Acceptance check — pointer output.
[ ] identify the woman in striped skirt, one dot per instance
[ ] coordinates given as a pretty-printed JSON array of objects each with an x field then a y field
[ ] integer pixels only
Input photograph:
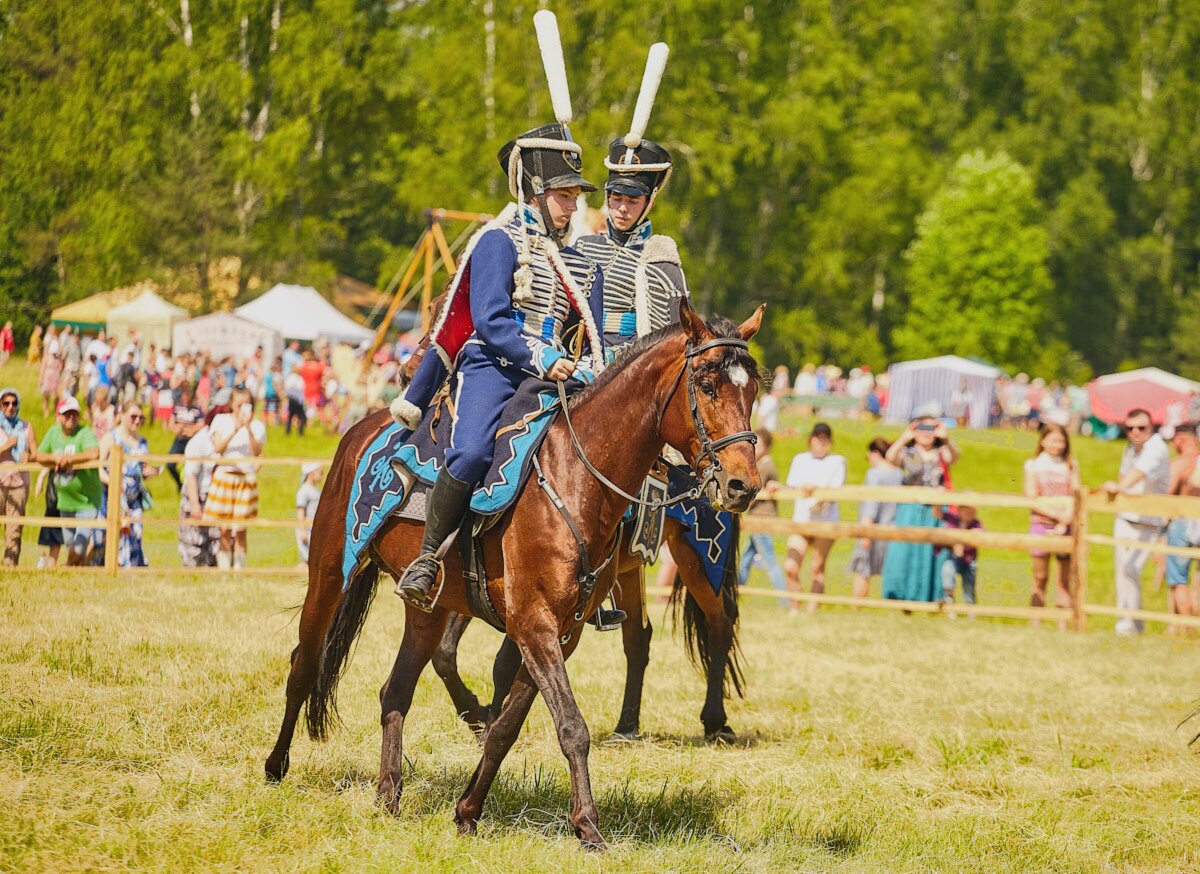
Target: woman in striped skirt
[{"x": 233, "y": 495}]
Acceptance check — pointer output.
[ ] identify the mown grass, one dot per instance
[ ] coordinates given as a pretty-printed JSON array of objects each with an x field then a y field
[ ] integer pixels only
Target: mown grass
[{"x": 136, "y": 713}]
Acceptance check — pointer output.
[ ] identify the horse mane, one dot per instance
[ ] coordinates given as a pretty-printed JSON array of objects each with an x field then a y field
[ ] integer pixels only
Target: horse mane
[{"x": 720, "y": 327}]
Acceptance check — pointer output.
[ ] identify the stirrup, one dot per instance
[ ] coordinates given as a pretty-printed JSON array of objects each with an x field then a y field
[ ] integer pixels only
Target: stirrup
[
  {"x": 609, "y": 620},
  {"x": 426, "y": 603}
]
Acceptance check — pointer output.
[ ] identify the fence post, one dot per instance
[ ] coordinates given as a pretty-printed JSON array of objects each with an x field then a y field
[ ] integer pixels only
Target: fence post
[
  {"x": 112, "y": 530},
  {"x": 1079, "y": 558}
]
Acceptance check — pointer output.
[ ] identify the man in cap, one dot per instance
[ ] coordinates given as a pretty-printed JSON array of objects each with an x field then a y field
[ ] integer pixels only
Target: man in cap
[
  {"x": 516, "y": 290},
  {"x": 67, "y": 444}
]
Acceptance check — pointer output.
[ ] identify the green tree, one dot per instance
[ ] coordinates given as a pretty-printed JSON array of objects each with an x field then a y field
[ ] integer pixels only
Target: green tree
[{"x": 977, "y": 281}]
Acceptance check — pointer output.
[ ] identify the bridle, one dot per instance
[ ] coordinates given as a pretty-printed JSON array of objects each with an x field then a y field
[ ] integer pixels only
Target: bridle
[
  {"x": 708, "y": 450},
  {"x": 708, "y": 447}
]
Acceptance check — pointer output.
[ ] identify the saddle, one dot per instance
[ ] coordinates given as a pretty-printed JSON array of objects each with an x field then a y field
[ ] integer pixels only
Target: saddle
[{"x": 399, "y": 464}]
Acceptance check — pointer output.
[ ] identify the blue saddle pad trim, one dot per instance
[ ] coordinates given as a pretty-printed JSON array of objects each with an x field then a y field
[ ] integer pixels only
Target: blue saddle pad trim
[
  {"x": 378, "y": 492},
  {"x": 708, "y": 531}
]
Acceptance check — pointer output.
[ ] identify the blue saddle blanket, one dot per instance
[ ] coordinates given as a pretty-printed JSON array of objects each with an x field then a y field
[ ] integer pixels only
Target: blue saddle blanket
[
  {"x": 379, "y": 490},
  {"x": 711, "y": 533}
]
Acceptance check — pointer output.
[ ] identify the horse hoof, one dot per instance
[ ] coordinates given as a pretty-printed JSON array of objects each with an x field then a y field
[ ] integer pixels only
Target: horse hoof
[
  {"x": 276, "y": 773},
  {"x": 389, "y": 797},
  {"x": 622, "y": 737},
  {"x": 466, "y": 819},
  {"x": 722, "y": 736}
]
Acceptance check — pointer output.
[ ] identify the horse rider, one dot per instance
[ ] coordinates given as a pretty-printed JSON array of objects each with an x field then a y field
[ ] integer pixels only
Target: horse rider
[
  {"x": 643, "y": 279},
  {"x": 516, "y": 291}
]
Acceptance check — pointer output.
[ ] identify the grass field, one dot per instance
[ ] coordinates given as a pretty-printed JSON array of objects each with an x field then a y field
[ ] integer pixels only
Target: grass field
[{"x": 135, "y": 714}]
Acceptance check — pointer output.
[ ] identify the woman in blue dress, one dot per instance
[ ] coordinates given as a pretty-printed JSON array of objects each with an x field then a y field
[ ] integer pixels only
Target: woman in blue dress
[
  {"x": 134, "y": 496},
  {"x": 924, "y": 453}
]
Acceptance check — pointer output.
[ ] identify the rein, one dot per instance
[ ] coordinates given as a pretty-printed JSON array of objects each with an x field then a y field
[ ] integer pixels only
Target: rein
[{"x": 708, "y": 447}]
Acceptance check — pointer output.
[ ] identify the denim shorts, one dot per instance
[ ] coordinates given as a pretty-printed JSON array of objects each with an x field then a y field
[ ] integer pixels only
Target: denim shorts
[
  {"x": 77, "y": 539},
  {"x": 1179, "y": 569}
]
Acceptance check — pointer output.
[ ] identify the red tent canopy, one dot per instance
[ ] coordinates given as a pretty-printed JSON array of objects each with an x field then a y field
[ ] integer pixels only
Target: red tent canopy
[{"x": 1113, "y": 396}]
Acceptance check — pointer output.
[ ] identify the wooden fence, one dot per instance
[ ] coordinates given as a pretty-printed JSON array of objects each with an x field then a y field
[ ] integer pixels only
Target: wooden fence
[{"x": 1077, "y": 544}]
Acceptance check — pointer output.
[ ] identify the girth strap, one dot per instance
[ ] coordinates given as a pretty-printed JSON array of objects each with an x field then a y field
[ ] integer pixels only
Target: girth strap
[{"x": 587, "y": 575}]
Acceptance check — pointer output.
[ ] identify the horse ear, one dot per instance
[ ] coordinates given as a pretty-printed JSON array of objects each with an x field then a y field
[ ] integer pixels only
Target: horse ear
[
  {"x": 750, "y": 327},
  {"x": 693, "y": 325}
]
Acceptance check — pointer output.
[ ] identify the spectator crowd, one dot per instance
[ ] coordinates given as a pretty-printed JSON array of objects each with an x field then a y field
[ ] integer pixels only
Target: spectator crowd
[
  {"x": 104, "y": 394},
  {"x": 925, "y": 455}
]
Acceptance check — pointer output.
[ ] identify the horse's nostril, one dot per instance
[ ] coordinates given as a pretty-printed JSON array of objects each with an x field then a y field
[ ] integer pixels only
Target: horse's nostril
[{"x": 737, "y": 487}]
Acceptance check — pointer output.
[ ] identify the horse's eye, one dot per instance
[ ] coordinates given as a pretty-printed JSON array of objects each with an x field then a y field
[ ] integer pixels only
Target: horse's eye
[{"x": 709, "y": 387}]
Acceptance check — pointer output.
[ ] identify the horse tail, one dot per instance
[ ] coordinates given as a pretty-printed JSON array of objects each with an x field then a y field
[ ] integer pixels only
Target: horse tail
[
  {"x": 321, "y": 714},
  {"x": 695, "y": 624},
  {"x": 1195, "y": 714}
]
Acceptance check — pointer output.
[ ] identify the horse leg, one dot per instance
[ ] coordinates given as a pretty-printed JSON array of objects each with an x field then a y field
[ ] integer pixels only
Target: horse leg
[
  {"x": 718, "y": 632},
  {"x": 636, "y": 632},
  {"x": 324, "y": 594},
  {"x": 422, "y": 632},
  {"x": 545, "y": 660},
  {"x": 504, "y": 672},
  {"x": 497, "y": 741},
  {"x": 445, "y": 662}
]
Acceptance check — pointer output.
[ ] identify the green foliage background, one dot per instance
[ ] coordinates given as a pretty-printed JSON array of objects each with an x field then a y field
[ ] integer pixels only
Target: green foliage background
[{"x": 816, "y": 145}]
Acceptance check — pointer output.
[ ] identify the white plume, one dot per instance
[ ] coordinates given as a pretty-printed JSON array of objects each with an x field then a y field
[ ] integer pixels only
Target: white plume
[
  {"x": 656, "y": 63},
  {"x": 549, "y": 42}
]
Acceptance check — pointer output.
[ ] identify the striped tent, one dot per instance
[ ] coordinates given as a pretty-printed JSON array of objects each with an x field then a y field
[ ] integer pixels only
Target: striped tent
[{"x": 933, "y": 381}]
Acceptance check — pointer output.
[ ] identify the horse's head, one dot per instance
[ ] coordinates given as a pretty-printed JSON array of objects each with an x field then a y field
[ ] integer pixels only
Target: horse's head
[{"x": 709, "y": 414}]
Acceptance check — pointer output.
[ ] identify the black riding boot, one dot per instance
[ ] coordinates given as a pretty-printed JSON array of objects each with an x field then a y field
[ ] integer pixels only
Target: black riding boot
[
  {"x": 444, "y": 511},
  {"x": 609, "y": 620}
]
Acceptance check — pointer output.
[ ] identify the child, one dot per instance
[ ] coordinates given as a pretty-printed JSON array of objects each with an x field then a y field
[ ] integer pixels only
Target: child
[
  {"x": 960, "y": 559},
  {"x": 307, "y": 497}
]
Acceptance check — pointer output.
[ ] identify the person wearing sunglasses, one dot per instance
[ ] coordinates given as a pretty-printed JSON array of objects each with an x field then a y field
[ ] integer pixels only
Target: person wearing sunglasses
[
  {"x": 1145, "y": 470},
  {"x": 16, "y": 439},
  {"x": 135, "y": 497}
]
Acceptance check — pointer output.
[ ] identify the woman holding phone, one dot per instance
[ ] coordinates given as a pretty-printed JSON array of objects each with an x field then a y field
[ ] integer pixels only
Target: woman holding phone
[
  {"x": 233, "y": 495},
  {"x": 135, "y": 498},
  {"x": 924, "y": 453}
]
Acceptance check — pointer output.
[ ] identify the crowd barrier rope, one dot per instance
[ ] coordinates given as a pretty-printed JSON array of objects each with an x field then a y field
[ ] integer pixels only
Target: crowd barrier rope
[{"x": 1082, "y": 504}]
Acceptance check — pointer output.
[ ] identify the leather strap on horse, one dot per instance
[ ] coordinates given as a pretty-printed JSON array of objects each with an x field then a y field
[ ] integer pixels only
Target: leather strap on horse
[{"x": 587, "y": 575}]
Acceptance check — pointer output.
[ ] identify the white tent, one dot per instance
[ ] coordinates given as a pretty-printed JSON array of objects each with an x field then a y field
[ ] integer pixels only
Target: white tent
[
  {"x": 225, "y": 334},
  {"x": 152, "y": 316},
  {"x": 300, "y": 313},
  {"x": 914, "y": 384}
]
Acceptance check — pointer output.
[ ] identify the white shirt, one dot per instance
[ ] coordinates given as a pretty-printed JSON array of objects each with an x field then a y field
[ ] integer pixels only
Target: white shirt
[
  {"x": 239, "y": 444},
  {"x": 293, "y": 386},
  {"x": 1154, "y": 460},
  {"x": 97, "y": 347},
  {"x": 199, "y": 446},
  {"x": 806, "y": 383},
  {"x": 806, "y": 470},
  {"x": 768, "y": 412}
]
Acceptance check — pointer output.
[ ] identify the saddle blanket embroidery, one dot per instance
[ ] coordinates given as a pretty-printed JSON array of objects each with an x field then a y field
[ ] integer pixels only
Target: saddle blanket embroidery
[
  {"x": 708, "y": 531},
  {"x": 380, "y": 489}
]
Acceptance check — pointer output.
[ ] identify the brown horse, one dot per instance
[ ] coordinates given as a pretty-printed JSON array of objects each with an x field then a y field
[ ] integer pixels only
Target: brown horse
[
  {"x": 710, "y": 635},
  {"x": 691, "y": 386}
]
